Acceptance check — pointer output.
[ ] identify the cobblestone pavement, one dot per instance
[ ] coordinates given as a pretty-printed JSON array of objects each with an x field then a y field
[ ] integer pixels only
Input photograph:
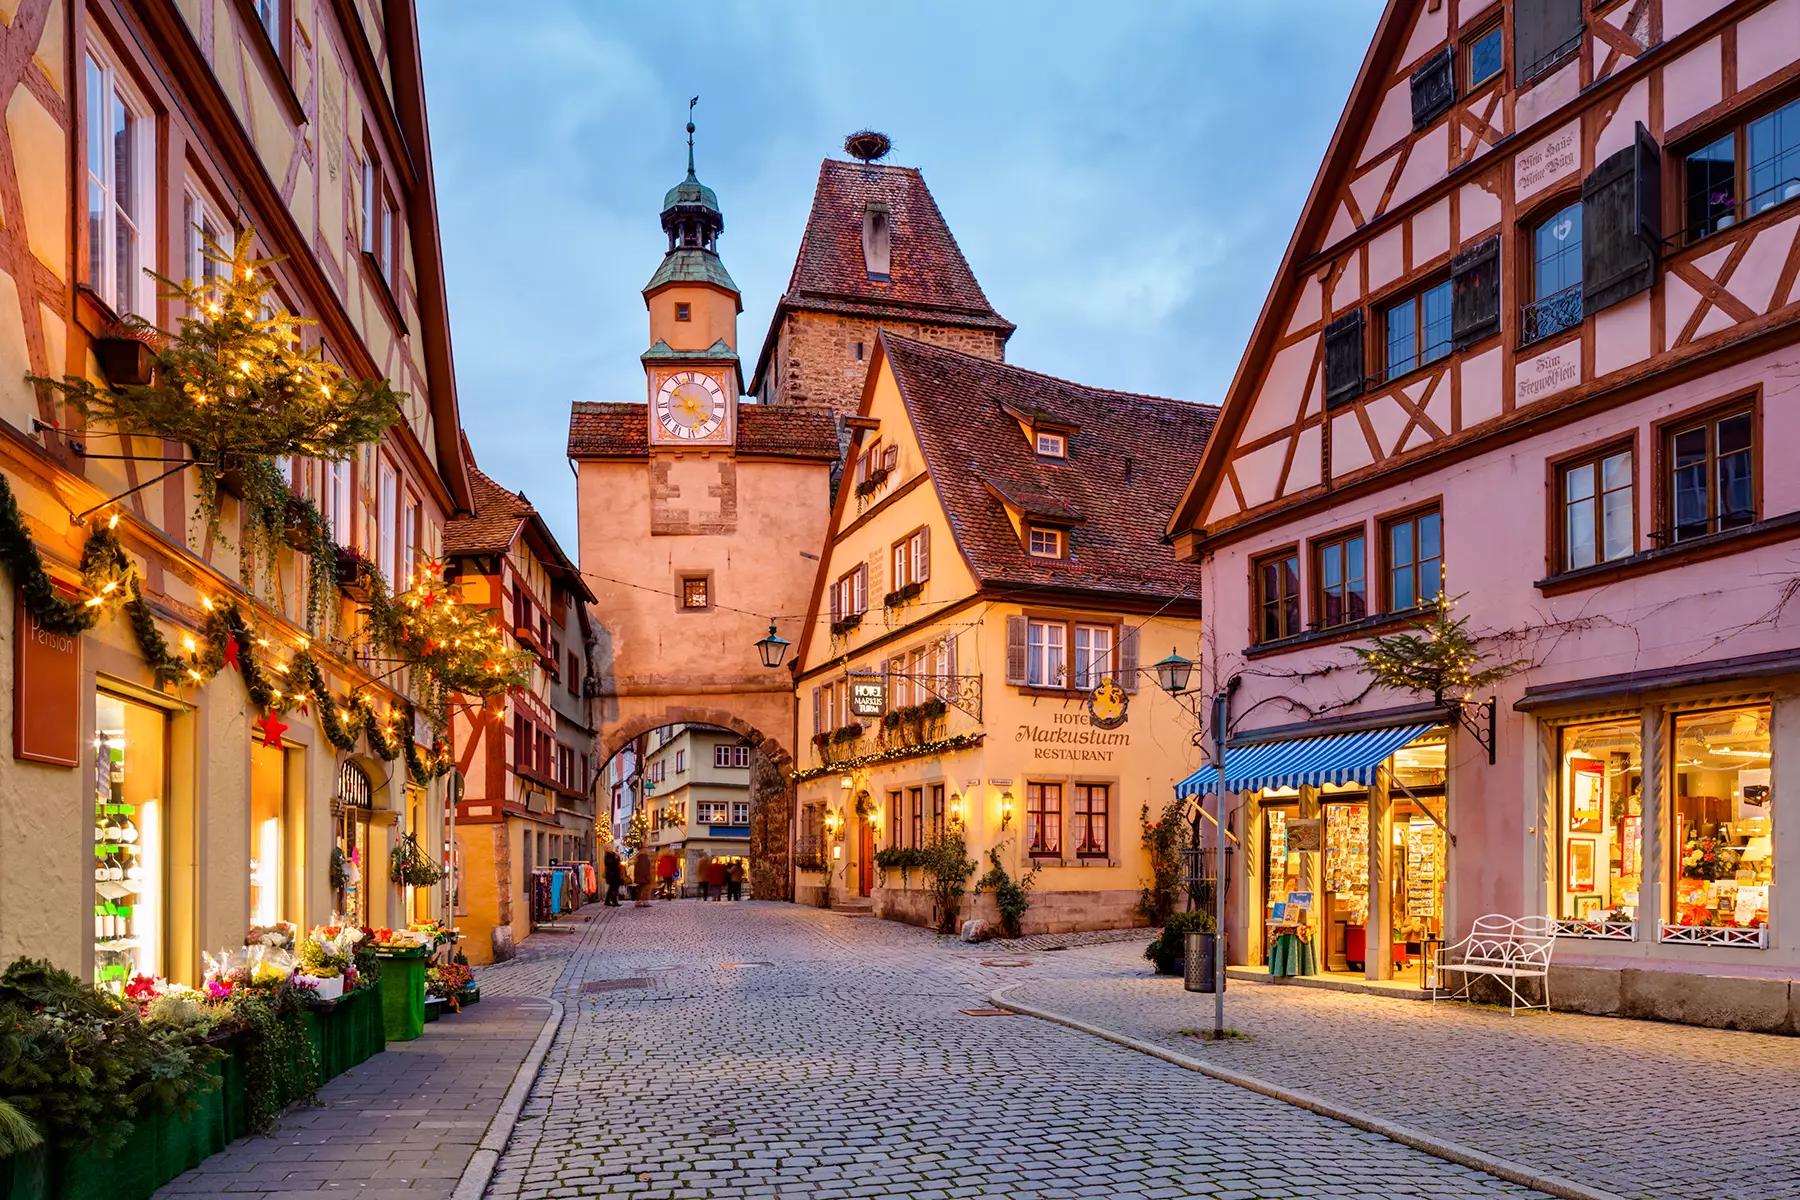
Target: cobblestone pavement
[
  {"x": 403, "y": 1124},
  {"x": 1641, "y": 1109},
  {"x": 765, "y": 1050}
]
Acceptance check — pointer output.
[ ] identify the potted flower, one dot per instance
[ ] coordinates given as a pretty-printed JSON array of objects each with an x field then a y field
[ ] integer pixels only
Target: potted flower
[{"x": 327, "y": 960}]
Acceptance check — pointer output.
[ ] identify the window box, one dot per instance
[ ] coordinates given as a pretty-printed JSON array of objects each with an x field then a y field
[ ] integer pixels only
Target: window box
[
  {"x": 914, "y": 724},
  {"x": 899, "y": 596},
  {"x": 846, "y": 733},
  {"x": 872, "y": 483},
  {"x": 1748, "y": 937},
  {"x": 1603, "y": 931},
  {"x": 844, "y": 625},
  {"x": 355, "y": 575},
  {"x": 125, "y": 361}
]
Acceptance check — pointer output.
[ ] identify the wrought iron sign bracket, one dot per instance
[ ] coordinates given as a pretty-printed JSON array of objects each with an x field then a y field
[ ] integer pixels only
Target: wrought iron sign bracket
[{"x": 1482, "y": 733}]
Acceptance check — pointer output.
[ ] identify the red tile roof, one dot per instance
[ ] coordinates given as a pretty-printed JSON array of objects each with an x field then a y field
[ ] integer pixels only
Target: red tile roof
[
  {"x": 926, "y": 267},
  {"x": 1121, "y": 480},
  {"x": 494, "y": 526},
  {"x": 621, "y": 430}
]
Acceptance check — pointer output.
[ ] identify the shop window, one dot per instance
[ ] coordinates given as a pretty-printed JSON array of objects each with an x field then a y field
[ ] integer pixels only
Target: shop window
[
  {"x": 1043, "y": 818},
  {"x": 1338, "y": 567},
  {"x": 1555, "y": 287},
  {"x": 1278, "y": 596},
  {"x": 1711, "y": 480},
  {"x": 1093, "y": 655},
  {"x": 130, "y": 852},
  {"x": 1283, "y": 872},
  {"x": 1598, "y": 522},
  {"x": 1415, "y": 560},
  {"x": 268, "y": 843},
  {"x": 1723, "y": 819},
  {"x": 1601, "y": 827},
  {"x": 1087, "y": 823}
]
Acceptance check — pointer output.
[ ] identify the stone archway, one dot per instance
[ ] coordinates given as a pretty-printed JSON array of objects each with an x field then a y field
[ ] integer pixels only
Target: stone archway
[{"x": 771, "y": 789}]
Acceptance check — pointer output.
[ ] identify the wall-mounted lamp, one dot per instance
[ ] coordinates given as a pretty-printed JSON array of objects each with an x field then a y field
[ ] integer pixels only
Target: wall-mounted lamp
[
  {"x": 845, "y": 782},
  {"x": 956, "y": 813},
  {"x": 1006, "y": 809},
  {"x": 837, "y": 852}
]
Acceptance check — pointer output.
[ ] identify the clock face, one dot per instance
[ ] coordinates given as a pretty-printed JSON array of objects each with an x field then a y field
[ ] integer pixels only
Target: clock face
[{"x": 690, "y": 406}]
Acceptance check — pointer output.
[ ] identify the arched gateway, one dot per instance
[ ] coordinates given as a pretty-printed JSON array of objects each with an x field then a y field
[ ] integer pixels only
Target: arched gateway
[{"x": 701, "y": 525}]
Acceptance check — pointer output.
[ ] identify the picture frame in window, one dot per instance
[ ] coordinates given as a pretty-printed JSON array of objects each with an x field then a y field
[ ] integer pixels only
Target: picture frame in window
[
  {"x": 1587, "y": 793},
  {"x": 1578, "y": 868}
]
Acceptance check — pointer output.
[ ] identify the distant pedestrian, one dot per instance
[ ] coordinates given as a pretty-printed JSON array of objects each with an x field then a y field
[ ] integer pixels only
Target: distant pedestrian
[
  {"x": 703, "y": 874},
  {"x": 614, "y": 872},
  {"x": 715, "y": 877},
  {"x": 665, "y": 874},
  {"x": 734, "y": 881},
  {"x": 642, "y": 869}
]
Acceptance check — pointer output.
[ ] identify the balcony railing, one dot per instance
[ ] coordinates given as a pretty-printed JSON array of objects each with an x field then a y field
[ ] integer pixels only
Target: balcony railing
[{"x": 1550, "y": 316}]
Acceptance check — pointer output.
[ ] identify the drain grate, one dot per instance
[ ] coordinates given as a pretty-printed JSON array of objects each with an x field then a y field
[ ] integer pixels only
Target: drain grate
[
  {"x": 613, "y": 985},
  {"x": 985, "y": 1012},
  {"x": 1006, "y": 962},
  {"x": 718, "y": 1130}
]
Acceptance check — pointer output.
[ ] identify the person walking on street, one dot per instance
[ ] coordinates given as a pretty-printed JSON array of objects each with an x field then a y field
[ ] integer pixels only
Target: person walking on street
[
  {"x": 734, "y": 881},
  {"x": 614, "y": 873},
  {"x": 715, "y": 876},
  {"x": 665, "y": 874},
  {"x": 641, "y": 866},
  {"x": 703, "y": 873}
]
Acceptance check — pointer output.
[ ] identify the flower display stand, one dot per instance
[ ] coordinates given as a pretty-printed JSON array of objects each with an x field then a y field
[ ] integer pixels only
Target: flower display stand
[
  {"x": 348, "y": 1031},
  {"x": 403, "y": 993}
]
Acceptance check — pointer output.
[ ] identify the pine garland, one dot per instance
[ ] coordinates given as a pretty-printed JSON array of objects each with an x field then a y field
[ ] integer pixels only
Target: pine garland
[
  {"x": 54, "y": 611},
  {"x": 1441, "y": 658}
]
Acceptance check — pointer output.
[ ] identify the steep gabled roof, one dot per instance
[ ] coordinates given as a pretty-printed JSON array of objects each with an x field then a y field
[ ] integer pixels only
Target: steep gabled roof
[
  {"x": 928, "y": 278},
  {"x": 499, "y": 519},
  {"x": 1309, "y": 231},
  {"x": 622, "y": 430},
  {"x": 1119, "y": 483}
]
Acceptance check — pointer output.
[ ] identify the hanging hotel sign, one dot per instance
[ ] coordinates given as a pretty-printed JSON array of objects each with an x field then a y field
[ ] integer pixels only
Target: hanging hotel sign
[
  {"x": 1107, "y": 704},
  {"x": 46, "y": 692},
  {"x": 868, "y": 693}
]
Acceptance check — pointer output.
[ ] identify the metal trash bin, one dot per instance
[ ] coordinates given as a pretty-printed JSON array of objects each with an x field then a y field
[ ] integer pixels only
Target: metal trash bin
[{"x": 1197, "y": 973}]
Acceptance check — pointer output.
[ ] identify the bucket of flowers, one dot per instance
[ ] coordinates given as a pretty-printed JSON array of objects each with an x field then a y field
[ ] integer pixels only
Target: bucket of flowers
[
  {"x": 327, "y": 960},
  {"x": 401, "y": 942},
  {"x": 448, "y": 982}
]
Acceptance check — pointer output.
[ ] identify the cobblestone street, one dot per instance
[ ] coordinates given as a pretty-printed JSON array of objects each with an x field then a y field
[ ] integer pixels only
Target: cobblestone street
[
  {"x": 1612, "y": 1104},
  {"x": 759, "y": 1050}
]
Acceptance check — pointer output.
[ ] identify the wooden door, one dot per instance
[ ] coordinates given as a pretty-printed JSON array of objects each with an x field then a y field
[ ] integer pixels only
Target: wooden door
[{"x": 865, "y": 857}]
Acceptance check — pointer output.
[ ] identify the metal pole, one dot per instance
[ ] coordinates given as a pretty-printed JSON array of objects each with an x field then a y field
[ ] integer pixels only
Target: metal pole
[
  {"x": 453, "y": 796},
  {"x": 1221, "y": 705}
]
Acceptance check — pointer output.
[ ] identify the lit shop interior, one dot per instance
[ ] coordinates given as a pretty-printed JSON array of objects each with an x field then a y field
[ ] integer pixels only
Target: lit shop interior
[
  {"x": 1324, "y": 858},
  {"x": 1720, "y": 826},
  {"x": 130, "y": 776}
]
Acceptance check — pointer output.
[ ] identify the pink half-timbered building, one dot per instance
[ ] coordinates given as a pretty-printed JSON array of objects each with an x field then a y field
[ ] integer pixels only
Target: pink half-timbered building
[{"x": 1532, "y": 345}]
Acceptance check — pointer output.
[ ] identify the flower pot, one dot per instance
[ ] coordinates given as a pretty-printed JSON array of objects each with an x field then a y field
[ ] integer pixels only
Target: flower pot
[
  {"x": 124, "y": 361},
  {"x": 326, "y": 987}
]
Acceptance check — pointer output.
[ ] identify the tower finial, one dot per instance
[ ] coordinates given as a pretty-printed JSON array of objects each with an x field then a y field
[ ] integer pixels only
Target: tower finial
[{"x": 690, "y": 133}]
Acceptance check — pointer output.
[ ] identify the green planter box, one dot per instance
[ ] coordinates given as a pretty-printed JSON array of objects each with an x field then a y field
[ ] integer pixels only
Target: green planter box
[
  {"x": 403, "y": 994},
  {"x": 348, "y": 1031}
]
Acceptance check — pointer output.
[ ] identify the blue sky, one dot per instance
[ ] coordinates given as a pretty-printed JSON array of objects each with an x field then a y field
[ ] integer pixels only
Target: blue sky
[{"x": 1122, "y": 178}]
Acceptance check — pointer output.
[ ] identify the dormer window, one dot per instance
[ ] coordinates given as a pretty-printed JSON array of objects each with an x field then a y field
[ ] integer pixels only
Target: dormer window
[
  {"x": 684, "y": 312},
  {"x": 1045, "y": 542},
  {"x": 876, "y": 232},
  {"x": 1052, "y": 445}
]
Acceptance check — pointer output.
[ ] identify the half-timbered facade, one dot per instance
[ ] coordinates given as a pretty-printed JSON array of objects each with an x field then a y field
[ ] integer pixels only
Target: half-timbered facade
[
  {"x": 523, "y": 755},
  {"x": 973, "y": 660},
  {"x": 134, "y": 132},
  {"x": 1531, "y": 346}
]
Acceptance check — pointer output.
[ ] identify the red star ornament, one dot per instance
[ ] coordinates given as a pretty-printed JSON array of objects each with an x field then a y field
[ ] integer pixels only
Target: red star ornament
[
  {"x": 272, "y": 728},
  {"x": 231, "y": 653}
]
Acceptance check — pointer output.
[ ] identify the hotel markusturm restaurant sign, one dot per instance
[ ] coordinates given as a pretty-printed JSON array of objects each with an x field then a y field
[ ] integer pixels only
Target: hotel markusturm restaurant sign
[
  {"x": 1069, "y": 738},
  {"x": 46, "y": 692}
]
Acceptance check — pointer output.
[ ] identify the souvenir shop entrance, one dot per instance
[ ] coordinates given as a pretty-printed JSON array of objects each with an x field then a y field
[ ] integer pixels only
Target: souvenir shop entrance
[{"x": 1353, "y": 867}]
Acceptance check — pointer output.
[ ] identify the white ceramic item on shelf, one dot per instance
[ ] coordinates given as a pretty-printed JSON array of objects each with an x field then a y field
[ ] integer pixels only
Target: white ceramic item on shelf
[{"x": 327, "y": 987}]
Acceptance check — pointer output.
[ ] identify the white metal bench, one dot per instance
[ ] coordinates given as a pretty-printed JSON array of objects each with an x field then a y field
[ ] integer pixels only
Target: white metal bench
[{"x": 1506, "y": 949}]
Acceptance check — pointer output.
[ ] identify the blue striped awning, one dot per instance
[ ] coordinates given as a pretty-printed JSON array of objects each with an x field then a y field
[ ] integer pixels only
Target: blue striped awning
[{"x": 1304, "y": 762}]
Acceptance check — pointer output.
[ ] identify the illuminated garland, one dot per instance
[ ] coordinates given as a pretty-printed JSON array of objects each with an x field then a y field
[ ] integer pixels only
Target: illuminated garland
[
  {"x": 960, "y": 741},
  {"x": 1441, "y": 658}
]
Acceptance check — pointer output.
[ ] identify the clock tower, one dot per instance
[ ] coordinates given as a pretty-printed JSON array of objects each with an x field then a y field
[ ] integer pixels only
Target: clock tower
[{"x": 692, "y": 367}]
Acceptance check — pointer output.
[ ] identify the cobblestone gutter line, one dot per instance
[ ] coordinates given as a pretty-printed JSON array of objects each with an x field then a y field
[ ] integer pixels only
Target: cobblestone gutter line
[
  {"x": 1449, "y": 1151},
  {"x": 481, "y": 1166}
]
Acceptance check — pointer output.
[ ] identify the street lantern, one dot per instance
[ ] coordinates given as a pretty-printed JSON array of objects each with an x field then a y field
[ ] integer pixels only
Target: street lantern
[
  {"x": 772, "y": 648},
  {"x": 1172, "y": 673}
]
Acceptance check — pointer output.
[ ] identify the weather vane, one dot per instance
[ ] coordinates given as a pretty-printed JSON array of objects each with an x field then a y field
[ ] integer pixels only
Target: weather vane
[{"x": 690, "y": 132}]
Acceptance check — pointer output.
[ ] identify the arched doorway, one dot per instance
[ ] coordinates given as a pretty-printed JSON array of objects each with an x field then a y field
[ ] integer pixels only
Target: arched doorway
[{"x": 351, "y": 869}]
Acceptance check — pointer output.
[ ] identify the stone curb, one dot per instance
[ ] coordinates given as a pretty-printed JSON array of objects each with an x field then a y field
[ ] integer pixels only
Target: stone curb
[
  {"x": 486, "y": 1158},
  {"x": 1438, "y": 1147}
]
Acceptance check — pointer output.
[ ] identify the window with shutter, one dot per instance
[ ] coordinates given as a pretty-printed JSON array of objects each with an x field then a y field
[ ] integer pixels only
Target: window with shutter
[
  {"x": 818, "y": 711},
  {"x": 1621, "y": 202},
  {"x": 922, "y": 555},
  {"x": 890, "y": 458},
  {"x": 1344, "y": 358},
  {"x": 1545, "y": 32},
  {"x": 1015, "y": 651},
  {"x": 862, "y": 588},
  {"x": 1128, "y": 658},
  {"x": 1433, "y": 88},
  {"x": 1475, "y": 293}
]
